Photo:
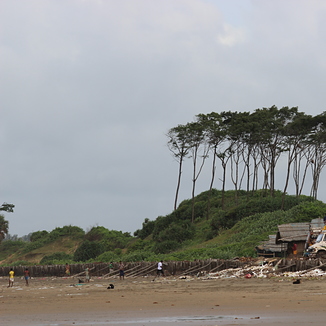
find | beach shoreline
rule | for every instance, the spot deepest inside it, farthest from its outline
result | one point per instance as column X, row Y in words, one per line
column 165, row 301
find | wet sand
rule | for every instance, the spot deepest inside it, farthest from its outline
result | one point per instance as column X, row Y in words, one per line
column 165, row 301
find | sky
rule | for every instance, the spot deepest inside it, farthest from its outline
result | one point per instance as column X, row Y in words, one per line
column 90, row 88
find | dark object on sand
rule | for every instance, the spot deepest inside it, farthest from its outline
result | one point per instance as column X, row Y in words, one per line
column 80, row 281
column 297, row 282
column 111, row 286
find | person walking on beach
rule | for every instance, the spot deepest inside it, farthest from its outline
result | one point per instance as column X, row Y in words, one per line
column 160, row 269
column 11, row 278
column 121, row 270
column 26, row 276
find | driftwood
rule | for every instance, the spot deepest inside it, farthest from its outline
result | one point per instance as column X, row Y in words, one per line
column 195, row 269
column 146, row 269
column 216, row 268
column 286, row 267
column 117, row 272
column 312, row 268
column 81, row 273
column 190, row 270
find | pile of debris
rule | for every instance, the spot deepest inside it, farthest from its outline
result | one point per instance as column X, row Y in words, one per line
column 265, row 269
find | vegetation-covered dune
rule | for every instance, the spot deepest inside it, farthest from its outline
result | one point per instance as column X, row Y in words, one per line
column 246, row 220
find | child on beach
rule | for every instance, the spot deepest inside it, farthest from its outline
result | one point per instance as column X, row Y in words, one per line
column 87, row 275
column 121, row 270
column 67, row 270
column 11, row 278
column 26, row 276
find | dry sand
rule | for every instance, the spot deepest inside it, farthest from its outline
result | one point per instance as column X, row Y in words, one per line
column 165, row 301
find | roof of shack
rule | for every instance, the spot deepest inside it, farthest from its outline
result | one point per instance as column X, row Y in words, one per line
column 270, row 245
column 292, row 232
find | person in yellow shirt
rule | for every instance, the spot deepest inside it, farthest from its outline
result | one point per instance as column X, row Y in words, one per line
column 11, row 278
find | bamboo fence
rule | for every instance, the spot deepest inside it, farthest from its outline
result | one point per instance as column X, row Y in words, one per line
column 138, row 269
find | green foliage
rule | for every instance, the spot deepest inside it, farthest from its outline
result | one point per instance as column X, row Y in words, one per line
column 109, row 239
column 74, row 232
column 88, row 250
column 56, row 258
column 140, row 244
column 138, row 255
column 97, row 233
column 177, row 232
column 35, row 236
column 166, row 246
column 9, row 247
column 313, row 209
column 41, row 238
column 146, row 230
column 225, row 220
column 108, row 256
column 21, row 263
column 37, row 244
column 232, row 232
column 3, row 227
column 161, row 223
column 183, row 212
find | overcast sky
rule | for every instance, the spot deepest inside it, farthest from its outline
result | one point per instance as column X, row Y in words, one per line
column 89, row 89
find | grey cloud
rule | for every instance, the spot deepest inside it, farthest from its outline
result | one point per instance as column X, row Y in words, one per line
column 89, row 89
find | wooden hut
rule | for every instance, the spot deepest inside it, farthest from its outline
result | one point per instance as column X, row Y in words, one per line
column 293, row 233
column 270, row 248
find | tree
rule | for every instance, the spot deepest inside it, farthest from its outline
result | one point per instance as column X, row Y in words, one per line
column 3, row 223
column 272, row 141
column 296, row 131
column 215, row 134
column 318, row 143
column 199, row 149
column 178, row 145
column 7, row 207
column 3, row 227
column 250, row 145
column 238, row 124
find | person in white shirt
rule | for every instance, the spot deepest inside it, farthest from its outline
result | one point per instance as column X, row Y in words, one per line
column 160, row 268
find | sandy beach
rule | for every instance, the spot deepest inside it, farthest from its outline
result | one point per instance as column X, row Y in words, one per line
column 165, row 301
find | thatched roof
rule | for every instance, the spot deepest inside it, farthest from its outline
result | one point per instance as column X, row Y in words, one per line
column 292, row 232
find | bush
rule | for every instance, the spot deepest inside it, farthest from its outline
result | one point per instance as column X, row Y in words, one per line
column 166, row 246
column 108, row 256
column 140, row 244
column 35, row 245
column 57, row 257
column 35, row 236
column 88, row 250
column 161, row 223
column 97, row 233
column 74, row 232
column 147, row 229
column 21, row 263
column 219, row 221
column 177, row 232
column 110, row 239
column 137, row 256
column 11, row 246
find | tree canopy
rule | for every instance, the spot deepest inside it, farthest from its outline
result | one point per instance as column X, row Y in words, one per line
column 249, row 147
